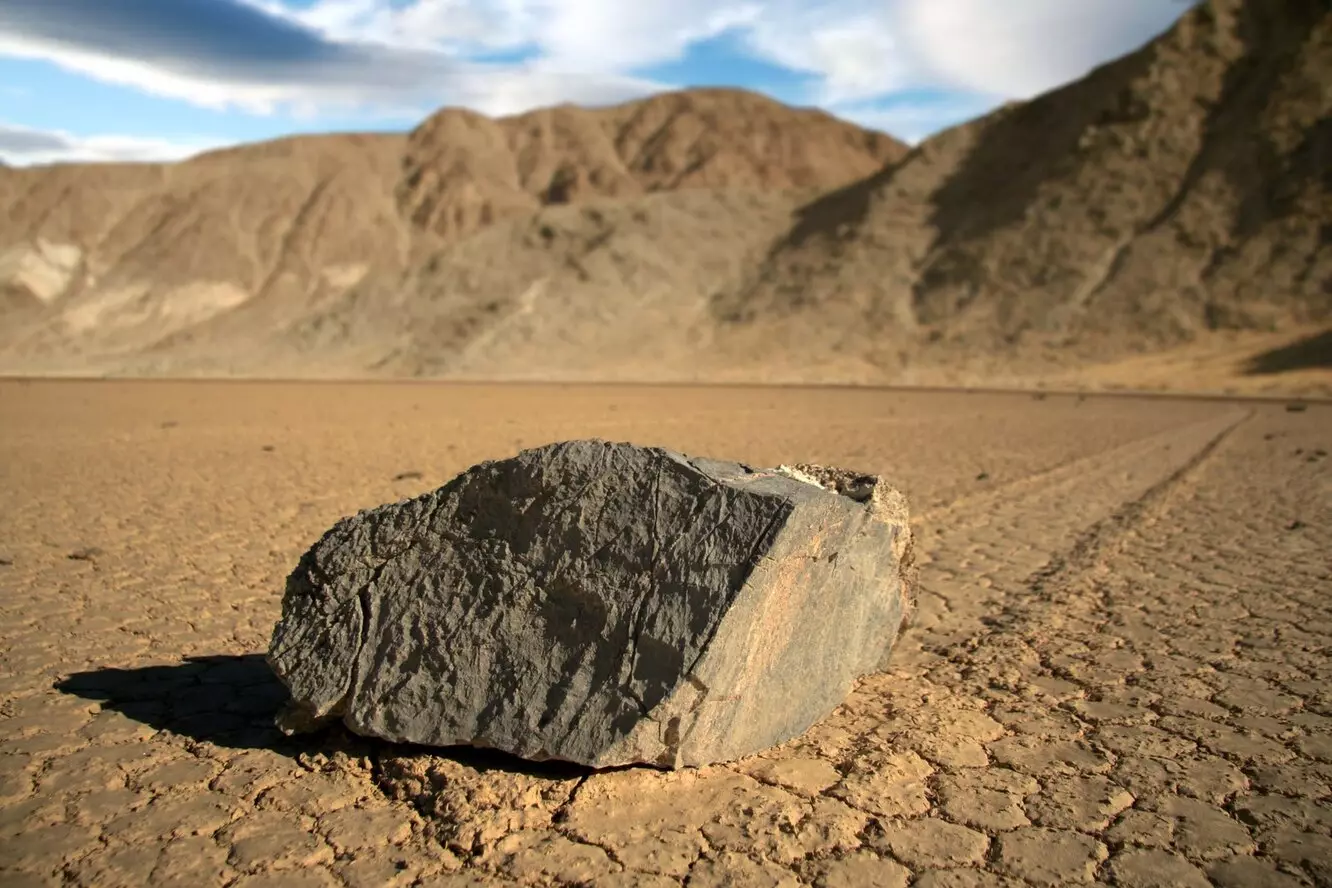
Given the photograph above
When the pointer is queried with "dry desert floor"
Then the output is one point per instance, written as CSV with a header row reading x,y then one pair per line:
x,y
1120,672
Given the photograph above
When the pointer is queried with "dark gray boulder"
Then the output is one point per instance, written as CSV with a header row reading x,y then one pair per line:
x,y
599,603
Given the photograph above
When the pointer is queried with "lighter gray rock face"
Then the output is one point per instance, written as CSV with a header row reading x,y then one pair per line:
x,y
599,603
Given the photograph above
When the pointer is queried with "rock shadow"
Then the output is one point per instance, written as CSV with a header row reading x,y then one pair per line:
x,y
226,700
844,208
1312,352
231,701
484,761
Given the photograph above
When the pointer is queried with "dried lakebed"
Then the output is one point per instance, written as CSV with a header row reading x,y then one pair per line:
x,y
1119,672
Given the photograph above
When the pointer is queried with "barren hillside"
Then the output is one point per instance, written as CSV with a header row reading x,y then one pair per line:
x,y
1177,191
462,171
187,267
1176,199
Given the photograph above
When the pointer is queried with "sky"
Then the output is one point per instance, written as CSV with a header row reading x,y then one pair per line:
x,y
85,80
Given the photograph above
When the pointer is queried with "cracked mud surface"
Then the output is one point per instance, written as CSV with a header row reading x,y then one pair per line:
x,y
1119,671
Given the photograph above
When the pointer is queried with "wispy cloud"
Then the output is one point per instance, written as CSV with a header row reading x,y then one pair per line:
x,y
221,53
907,66
914,116
1018,49
262,53
24,146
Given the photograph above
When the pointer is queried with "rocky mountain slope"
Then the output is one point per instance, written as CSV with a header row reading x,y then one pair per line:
x,y
192,267
1175,198
1179,190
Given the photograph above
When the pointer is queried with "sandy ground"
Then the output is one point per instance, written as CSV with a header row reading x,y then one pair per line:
x,y
1222,363
1120,673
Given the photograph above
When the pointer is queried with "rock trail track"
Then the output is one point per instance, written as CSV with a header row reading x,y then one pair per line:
x,y
1120,671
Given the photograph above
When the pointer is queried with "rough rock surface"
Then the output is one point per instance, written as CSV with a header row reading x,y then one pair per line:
x,y
599,603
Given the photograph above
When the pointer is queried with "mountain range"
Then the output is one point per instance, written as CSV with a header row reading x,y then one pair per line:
x,y
1163,222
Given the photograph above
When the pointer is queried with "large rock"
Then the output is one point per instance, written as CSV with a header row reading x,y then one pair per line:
x,y
599,603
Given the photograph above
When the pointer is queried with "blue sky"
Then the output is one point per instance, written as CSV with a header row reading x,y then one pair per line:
x,y
154,79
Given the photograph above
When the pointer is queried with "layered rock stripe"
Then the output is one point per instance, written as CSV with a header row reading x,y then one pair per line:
x,y
1118,673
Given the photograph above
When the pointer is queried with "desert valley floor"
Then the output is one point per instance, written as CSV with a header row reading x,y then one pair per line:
x,y
1120,672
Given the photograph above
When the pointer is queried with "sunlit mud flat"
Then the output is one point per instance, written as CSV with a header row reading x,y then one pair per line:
x,y
1118,673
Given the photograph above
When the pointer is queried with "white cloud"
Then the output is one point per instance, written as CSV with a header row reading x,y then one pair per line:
x,y
850,47
915,118
615,35
239,55
569,36
1020,49
848,44
399,59
155,79
506,90
24,146
454,27
854,49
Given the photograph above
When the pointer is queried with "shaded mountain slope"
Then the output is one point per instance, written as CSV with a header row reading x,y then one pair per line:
x,y
1180,189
